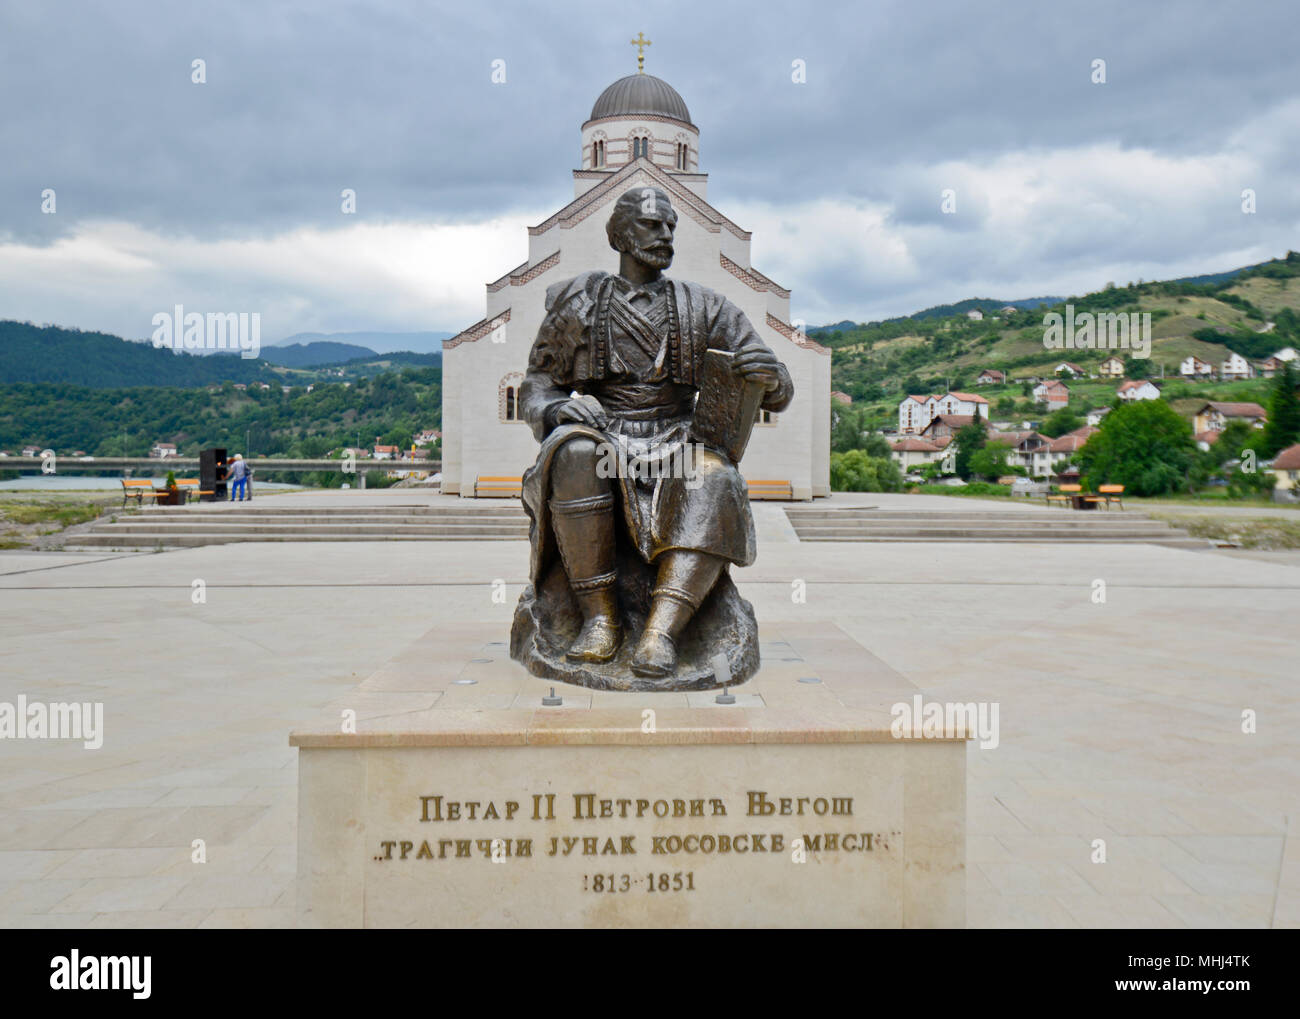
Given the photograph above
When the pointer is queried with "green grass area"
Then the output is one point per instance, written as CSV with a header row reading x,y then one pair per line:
x,y
1265,533
974,489
1218,496
25,517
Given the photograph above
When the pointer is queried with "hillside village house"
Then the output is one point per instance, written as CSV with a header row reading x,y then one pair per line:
x,y
1269,367
1038,454
386,452
1111,368
841,398
990,377
429,435
915,412
1069,368
1008,309
975,315
1095,417
1215,415
1236,367
1286,473
944,426
912,452
161,450
1142,389
1287,354
1194,368
1054,394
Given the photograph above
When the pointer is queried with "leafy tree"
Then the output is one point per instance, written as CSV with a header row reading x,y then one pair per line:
x,y
1235,439
1144,446
991,461
970,439
1283,427
855,471
1059,422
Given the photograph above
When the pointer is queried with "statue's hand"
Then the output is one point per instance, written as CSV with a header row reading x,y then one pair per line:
x,y
585,410
758,364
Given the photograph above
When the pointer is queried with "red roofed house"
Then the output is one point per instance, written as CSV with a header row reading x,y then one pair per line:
x,y
386,452
1286,473
1111,368
962,403
838,397
1141,389
945,426
1071,442
913,414
1216,415
913,452
990,377
1054,394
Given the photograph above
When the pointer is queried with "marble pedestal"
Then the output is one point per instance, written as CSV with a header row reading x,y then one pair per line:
x,y
466,804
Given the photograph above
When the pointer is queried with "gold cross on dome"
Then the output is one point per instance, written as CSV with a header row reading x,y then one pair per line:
x,y
640,42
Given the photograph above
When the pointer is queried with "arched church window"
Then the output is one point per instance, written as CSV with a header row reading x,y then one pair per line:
x,y
597,154
681,156
508,397
640,147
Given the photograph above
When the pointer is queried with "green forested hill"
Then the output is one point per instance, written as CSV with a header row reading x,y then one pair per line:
x,y
876,363
31,353
127,422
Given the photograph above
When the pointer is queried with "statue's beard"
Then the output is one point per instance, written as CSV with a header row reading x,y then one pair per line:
x,y
658,257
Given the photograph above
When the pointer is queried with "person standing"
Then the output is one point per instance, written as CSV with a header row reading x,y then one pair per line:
x,y
237,475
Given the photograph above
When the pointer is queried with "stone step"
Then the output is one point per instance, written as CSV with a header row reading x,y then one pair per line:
x,y
431,530
1024,525
166,539
514,509
227,519
1036,533
1165,541
800,516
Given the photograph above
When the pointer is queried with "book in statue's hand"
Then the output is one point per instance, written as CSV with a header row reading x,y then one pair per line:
x,y
726,406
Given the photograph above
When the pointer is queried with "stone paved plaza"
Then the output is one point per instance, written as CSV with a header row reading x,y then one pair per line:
x,y
1120,721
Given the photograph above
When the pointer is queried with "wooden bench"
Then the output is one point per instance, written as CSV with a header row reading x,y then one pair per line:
x,y
771,490
190,486
1106,494
488,486
1065,496
138,489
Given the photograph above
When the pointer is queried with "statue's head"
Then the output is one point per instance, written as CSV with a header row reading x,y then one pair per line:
x,y
642,225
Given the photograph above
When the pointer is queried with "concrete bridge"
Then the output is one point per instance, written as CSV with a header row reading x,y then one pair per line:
x,y
261,465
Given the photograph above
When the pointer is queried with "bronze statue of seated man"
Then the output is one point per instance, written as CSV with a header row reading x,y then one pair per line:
x,y
610,393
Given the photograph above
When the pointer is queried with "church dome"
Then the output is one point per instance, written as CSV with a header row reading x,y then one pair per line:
x,y
639,94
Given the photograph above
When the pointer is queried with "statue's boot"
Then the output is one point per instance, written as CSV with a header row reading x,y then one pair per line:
x,y
584,530
656,654
684,580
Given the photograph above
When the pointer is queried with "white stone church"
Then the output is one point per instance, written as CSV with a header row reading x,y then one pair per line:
x,y
639,132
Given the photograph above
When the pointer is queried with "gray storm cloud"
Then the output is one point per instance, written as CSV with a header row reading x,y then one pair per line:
x,y
164,185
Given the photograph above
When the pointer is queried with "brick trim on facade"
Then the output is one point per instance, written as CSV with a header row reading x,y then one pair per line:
x,y
794,336
477,331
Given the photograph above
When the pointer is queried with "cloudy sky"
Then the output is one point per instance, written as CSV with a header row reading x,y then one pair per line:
x,y
225,195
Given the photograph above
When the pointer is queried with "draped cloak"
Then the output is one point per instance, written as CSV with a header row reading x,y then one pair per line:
x,y
601,337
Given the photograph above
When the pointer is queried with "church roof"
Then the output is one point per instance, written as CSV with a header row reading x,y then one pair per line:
x,y
641,93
